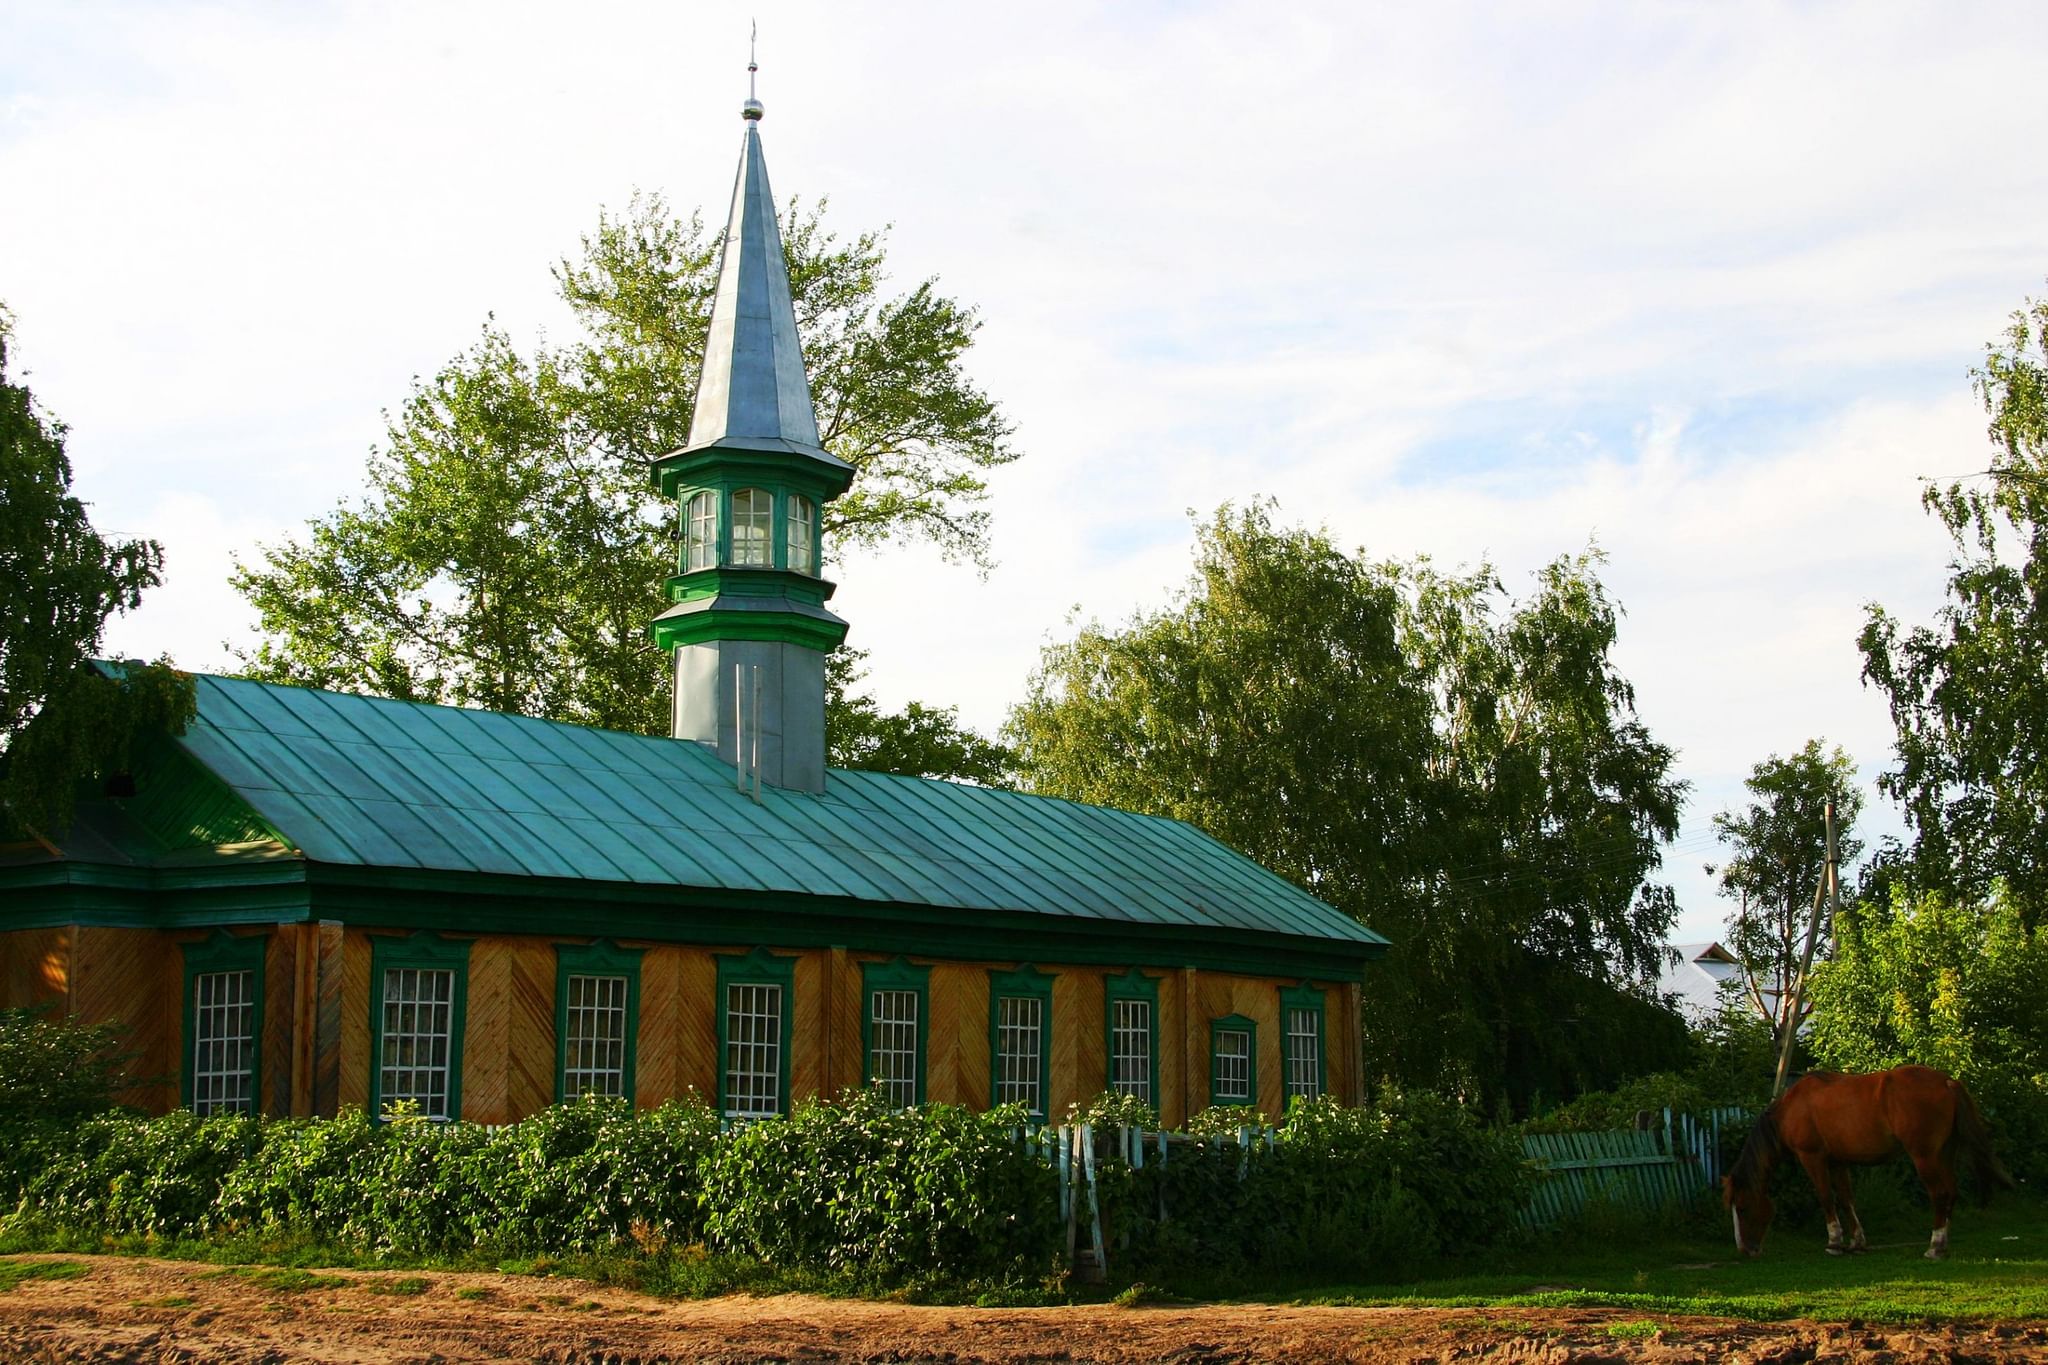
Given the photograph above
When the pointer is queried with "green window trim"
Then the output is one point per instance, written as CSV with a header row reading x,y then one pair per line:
x,y
223,952
1025,983
1132,985
600,958
895,975
757,968
422,952
1313,999
1235,1023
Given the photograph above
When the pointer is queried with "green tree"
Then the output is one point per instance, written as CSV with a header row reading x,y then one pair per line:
x,y
1778,854
1958,985
918,741
1460,770
64,579
509,551
61,721
1969,694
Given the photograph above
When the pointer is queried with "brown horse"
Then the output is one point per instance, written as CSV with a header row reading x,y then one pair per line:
x,y
1832,1122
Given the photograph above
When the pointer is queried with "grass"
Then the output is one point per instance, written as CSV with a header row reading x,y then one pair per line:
x,y
403,1284
1997,1268
13,1272
282,1279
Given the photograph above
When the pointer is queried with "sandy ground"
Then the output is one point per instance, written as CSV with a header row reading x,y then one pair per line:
x,y
124,1309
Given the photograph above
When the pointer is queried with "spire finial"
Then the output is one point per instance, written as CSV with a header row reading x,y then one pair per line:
x,y
751,110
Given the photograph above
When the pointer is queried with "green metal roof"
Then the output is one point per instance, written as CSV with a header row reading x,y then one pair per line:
x,y
370,782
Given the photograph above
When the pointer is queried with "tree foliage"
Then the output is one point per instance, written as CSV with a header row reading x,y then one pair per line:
x,y
1459,769
509,551
61,721
1969,694
1958,985
1778,856
918,741
64,579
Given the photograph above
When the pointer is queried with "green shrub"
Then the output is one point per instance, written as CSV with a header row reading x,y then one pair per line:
x,y
883,1196
594,1175
155,1178
309,1179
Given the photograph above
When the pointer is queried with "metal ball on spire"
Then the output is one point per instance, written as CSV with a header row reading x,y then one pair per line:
x,y
751,110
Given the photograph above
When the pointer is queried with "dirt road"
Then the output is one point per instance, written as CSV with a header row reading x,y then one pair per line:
x,y
120,1309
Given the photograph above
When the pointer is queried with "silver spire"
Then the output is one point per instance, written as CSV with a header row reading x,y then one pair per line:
x,y
752,108
752,394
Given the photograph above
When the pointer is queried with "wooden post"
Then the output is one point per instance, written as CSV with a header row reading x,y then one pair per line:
x,y
1354,1039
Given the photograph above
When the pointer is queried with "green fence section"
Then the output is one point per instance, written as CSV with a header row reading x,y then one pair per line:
x,y
1664,1164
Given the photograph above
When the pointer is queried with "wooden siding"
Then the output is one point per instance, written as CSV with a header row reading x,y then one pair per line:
x,y
356,1061
35,967
317,992
119,976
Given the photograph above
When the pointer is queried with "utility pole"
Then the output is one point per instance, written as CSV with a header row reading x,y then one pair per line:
x,y
1829,892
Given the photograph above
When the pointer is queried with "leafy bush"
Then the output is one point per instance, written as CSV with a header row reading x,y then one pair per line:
x,y
855,1188
1113,1110
154,1178
54,1069
1606,1110
1368,1191
593,1175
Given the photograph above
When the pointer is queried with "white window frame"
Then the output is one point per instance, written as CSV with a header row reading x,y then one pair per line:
x,y
754,1055
1231,1080
594,1056
700,534
1020,1051
1304,1052
893,1025
800,553
224,1042
753,528
1130,1049
418,1038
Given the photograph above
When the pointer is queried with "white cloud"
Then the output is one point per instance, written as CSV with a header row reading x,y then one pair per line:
x,y
1701,281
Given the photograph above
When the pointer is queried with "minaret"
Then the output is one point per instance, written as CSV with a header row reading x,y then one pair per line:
x,y
749,618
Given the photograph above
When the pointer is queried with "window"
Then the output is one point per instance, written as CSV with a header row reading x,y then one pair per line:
x,y
753,1034
753,513
597,1020
419,988
1233,1064
700,532
802,528
1020,1038
223,1022
893,1029
1133,1009
1301,1016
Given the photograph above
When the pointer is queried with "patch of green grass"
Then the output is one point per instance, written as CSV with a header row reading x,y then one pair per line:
x,y
1628,1331
1997,1268
168,1301
475,1291
13,1272
403,1284
281,1279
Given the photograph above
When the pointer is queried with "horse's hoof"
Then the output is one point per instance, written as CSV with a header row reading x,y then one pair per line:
x,y
1838,1251
1936,1254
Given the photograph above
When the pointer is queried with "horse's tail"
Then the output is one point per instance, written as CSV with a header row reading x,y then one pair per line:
x,y
1973,1140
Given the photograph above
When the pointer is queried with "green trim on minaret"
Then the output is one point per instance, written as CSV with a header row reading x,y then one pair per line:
x,y
747,625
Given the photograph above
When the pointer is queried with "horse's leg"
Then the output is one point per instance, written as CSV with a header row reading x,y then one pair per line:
x,y
1941,1192
1817,1171
1845,1199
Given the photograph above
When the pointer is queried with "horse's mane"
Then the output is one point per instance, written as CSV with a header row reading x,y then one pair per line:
x,y
1762,1147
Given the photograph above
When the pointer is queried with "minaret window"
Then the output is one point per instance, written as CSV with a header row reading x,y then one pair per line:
x,y
700,521
802,527
753,516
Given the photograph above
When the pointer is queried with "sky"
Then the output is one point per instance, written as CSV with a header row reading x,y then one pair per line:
x,y
1701,284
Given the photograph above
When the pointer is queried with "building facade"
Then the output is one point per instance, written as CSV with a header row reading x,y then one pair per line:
x,y
310,900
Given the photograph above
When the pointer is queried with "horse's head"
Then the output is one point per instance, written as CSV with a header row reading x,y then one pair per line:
x,y
1750,1209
